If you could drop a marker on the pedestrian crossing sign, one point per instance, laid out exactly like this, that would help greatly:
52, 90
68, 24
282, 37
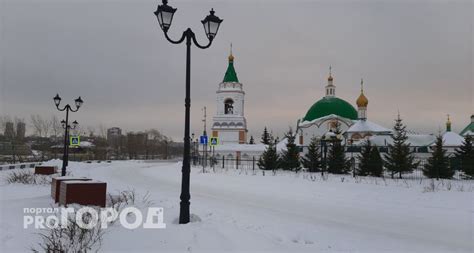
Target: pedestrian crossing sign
74, 141
214, 141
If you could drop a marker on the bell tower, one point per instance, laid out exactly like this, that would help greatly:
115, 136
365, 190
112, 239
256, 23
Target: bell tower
330, 88
229, 123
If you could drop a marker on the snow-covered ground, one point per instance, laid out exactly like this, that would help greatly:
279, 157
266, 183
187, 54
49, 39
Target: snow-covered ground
242, 211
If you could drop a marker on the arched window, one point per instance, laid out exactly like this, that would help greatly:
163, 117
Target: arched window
229, 106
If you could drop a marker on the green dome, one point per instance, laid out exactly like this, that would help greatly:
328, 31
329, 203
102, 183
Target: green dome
330, 105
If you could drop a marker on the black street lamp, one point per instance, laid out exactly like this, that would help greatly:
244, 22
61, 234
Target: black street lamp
211, 24
67, 128
78, 102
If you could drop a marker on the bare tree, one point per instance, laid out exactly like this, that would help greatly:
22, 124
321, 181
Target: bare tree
102, 131
3, 121
41, 126
91, 131
56, 128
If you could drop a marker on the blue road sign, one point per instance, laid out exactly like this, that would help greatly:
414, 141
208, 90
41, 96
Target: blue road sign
203, 139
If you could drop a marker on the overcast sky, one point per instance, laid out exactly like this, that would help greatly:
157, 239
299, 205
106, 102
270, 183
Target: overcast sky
414, 56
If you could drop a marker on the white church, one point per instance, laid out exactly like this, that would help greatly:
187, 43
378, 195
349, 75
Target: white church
229, 123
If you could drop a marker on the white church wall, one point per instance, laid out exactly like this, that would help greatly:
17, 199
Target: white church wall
315, 131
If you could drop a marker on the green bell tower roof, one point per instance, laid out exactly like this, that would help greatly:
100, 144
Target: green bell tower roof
230, 75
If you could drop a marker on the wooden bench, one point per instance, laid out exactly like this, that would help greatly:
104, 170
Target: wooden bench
56, 182
46, 170
83, 192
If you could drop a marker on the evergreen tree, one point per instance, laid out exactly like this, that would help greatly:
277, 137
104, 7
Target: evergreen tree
370, 161
465, 155
266, 137
364, 160
376, 163
438, 163
269, 159
312, 159
290, 159
399, 158
337, 161
252, 141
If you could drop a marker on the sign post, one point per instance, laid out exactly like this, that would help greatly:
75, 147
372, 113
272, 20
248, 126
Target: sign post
214, 141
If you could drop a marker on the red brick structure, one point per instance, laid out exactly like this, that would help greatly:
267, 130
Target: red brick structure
83, 192
56, 182
46, 170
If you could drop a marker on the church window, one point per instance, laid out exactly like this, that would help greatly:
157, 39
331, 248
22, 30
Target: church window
228, 106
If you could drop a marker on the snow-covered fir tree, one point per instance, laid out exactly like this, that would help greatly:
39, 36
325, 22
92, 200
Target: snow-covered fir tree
376, 163
337, 162
438, 164
252, 141
266, 137
399, 158
312, 159
465, 155
364, 160
269, 159
290, 158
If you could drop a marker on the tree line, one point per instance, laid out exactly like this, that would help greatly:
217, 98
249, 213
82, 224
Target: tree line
398, 160
46, 136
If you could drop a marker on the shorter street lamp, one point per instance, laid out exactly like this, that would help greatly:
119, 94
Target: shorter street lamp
68, 127
78, 103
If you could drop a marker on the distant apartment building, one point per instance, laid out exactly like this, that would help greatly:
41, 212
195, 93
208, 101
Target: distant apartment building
136, 144
9, 130
20, 130
114, 135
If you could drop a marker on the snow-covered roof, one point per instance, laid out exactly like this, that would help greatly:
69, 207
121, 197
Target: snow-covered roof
452, 139
318, 121
413, 139
367, 126
241, 147
281, 146
86, 144
82, 144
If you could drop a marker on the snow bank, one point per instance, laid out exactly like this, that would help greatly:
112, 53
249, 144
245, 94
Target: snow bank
244, 211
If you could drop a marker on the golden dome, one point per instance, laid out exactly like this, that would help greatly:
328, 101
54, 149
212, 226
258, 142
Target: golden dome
362, 101
231, 57
330, 78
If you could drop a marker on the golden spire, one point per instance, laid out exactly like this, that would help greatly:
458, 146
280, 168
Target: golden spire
330, 73
362, 101
231, 57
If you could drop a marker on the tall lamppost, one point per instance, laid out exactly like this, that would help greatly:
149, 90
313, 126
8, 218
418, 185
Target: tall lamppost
68, 127
211, 24
78, 102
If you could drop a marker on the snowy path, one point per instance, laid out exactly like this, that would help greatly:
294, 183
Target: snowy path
283, 213
331, 218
